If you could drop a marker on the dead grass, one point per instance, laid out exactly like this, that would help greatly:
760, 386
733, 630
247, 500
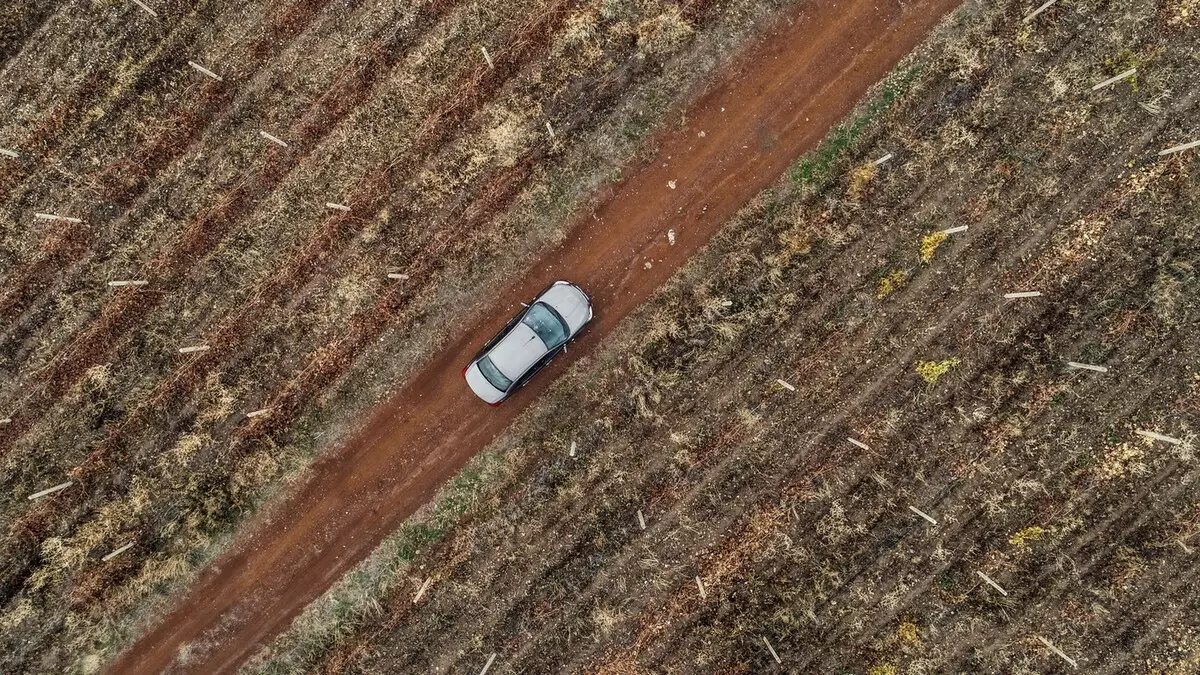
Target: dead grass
1031, 470
243, 256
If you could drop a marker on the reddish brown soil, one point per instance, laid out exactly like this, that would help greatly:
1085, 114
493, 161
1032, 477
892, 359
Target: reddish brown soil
774, 103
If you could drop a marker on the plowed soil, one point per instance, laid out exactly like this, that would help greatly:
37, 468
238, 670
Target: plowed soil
777, 101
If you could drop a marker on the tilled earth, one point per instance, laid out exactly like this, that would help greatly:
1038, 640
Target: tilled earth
162, 173
763, 521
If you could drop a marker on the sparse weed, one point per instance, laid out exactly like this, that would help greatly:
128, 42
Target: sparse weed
1125, 61
1022, 539
860, 178
814, 169
932, 371
890, 283
930, 244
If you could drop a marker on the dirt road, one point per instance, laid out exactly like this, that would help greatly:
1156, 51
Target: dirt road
774, 103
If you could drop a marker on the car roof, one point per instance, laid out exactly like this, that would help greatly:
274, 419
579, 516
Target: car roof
519, 350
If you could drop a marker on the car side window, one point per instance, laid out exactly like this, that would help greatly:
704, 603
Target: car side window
545, 322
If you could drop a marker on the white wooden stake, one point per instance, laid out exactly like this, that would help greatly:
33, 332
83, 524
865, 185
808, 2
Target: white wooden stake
117, 552
883, 160
1179, 148
921, 513
255, 413
488, 665
487, 57
129, 282
1114, 79
1033, 15
641, 520
191, 350
549, 128
993, 584
336, 207
571, 452
397, 275
700, 585
785, 385
206, 71
51, 216
1058, 651
1023, 294
771, 649
855, 441
421, 591
955, 230
9, 153
141, 4
1158, 437
273, 139
1087, 366
51, 490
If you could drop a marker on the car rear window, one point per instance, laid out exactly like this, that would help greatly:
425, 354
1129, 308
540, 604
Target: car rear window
547, 324
493, 374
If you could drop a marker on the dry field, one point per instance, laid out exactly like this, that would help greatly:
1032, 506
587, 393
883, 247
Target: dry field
763, 521
164, 174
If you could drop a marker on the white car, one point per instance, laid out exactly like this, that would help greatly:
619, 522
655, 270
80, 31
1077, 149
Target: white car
529, 341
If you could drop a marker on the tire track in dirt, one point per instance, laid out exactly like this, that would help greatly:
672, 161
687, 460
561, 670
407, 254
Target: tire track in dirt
358, 494
501, 190
332, 361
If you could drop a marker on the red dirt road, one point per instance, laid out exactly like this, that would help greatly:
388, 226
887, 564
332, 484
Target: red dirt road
774, 103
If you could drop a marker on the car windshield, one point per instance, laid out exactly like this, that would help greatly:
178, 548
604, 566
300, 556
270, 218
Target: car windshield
493, 374
546, 323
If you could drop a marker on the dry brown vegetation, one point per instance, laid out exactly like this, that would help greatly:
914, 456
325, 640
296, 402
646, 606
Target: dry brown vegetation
390, 109
1033, 470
